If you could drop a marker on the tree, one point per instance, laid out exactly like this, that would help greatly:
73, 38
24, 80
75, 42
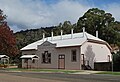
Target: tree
7, 39
117, 26
97, 20
67, 27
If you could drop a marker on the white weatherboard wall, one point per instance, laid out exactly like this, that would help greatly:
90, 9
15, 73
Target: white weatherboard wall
95, 52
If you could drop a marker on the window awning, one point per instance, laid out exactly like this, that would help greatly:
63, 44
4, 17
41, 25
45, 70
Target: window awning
4, 56
29, 57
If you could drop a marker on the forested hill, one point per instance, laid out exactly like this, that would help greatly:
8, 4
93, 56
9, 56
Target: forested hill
93, 20
28, 36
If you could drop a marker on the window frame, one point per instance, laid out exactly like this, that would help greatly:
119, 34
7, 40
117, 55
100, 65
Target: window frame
33, 60
25, 60
46, 58
74, 55
108, 58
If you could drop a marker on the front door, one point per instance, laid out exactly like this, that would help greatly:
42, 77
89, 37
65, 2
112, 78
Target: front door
61, 62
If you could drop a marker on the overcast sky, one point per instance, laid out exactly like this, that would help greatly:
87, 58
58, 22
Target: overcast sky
27, 14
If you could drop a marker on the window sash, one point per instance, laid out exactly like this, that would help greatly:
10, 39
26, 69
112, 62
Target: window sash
73, 56
46, 57
25, 60
33, 61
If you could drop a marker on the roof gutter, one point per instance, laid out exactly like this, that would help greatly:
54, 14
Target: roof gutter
29, 49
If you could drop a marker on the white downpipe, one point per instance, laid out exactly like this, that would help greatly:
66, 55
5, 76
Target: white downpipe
72, 33
61, 34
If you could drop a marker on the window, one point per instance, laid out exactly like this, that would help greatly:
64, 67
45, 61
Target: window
25, 60
33, 61
46, 57
108, 58
73, 56
83, 59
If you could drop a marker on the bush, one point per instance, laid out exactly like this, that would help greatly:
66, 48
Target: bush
3, 65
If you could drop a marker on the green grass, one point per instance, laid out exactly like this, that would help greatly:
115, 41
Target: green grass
43, 70
110, 73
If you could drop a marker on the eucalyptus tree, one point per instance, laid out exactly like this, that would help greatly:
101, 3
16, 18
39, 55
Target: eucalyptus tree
98, 20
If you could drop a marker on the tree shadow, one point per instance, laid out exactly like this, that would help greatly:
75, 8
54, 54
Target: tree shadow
89, 56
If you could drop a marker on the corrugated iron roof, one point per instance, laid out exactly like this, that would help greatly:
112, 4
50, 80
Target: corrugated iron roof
66, 41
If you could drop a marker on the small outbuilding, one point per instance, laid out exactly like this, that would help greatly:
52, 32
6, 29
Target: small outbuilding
4, 59
29, 60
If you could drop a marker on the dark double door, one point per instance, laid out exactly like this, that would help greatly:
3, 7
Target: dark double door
61, 61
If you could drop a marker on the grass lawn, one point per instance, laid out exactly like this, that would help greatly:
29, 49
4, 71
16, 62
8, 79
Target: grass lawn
110, 73
43, 70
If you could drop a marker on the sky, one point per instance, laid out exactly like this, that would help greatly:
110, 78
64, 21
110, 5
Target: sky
31, 14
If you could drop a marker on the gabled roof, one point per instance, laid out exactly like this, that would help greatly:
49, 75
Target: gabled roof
66, 41
4, 56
